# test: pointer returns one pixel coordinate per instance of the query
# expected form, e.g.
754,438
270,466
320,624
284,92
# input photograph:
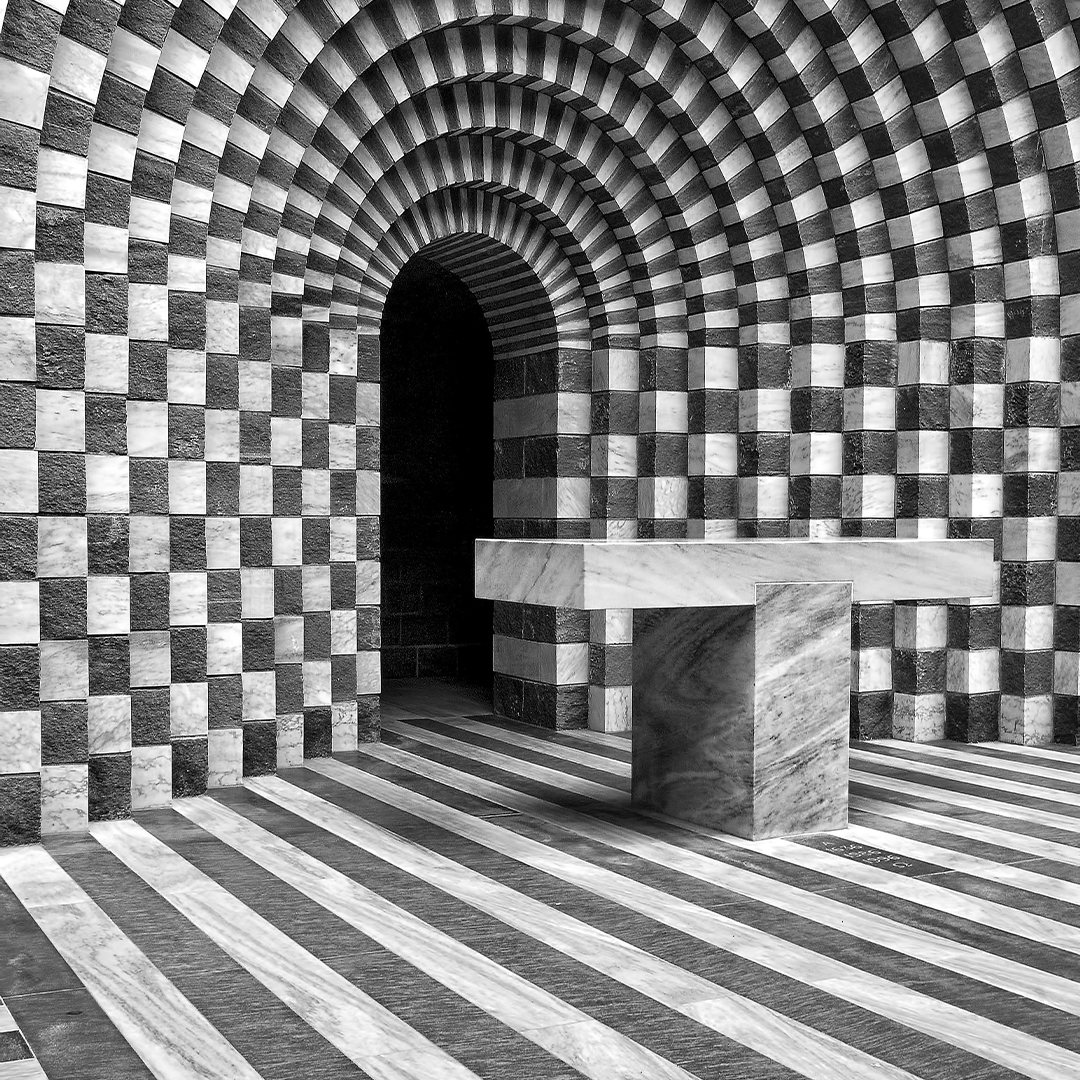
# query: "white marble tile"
611,708
60,420
342,632
61,546
188,709
18,482
225,754
151,777
260,695
368,672
343,725
65,671
149,544
108,605
222,543
107,484
20,742
256,593
63,799
315,582
290,740
151,663
368,582
108,720
187,599
288,639
19,624
224,648
316,676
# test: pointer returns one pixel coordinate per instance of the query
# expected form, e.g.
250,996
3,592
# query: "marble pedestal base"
740,714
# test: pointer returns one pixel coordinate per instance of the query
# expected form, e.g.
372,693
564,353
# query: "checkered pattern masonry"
796,268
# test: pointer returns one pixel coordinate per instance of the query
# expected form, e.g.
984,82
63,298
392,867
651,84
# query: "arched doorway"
529,413
437,386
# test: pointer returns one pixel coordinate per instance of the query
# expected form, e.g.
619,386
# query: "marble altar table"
741,657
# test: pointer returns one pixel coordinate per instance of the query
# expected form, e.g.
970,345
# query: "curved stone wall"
814,270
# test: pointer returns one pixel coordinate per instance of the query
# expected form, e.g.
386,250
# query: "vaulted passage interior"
437,385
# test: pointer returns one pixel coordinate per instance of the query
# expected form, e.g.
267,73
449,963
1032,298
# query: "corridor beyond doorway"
437,384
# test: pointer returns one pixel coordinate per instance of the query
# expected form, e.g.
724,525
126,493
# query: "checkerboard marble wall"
751,269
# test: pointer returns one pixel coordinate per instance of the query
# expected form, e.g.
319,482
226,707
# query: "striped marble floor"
472,898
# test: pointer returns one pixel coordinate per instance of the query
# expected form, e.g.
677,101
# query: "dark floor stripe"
463,1030
234,1001
67,1030
671,1035
906,1049
578,739
988,1001
1067,780
895,768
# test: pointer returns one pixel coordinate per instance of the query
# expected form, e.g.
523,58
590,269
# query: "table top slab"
596,574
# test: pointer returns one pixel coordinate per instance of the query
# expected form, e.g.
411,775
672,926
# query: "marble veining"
151,776
729,1014
64,806
594,574
20,742
343,725
174,1039
225,753
108,720
943,1020
290,740
557,1027
361,1028
741,713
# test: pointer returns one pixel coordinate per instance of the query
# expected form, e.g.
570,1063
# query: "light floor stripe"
23,1069
967,1031
7,1021
167,1032
590,789
1009,920
946,953
1016,877
1068,758
962,800
986,869
546,1020
1004,762
368,1034
961,776
795,1045
555,750
969,830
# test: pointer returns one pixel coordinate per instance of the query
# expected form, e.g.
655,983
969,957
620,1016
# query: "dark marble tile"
189,766
109,787
20,809
13,1047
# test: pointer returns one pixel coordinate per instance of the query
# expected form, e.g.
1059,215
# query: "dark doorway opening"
437,393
